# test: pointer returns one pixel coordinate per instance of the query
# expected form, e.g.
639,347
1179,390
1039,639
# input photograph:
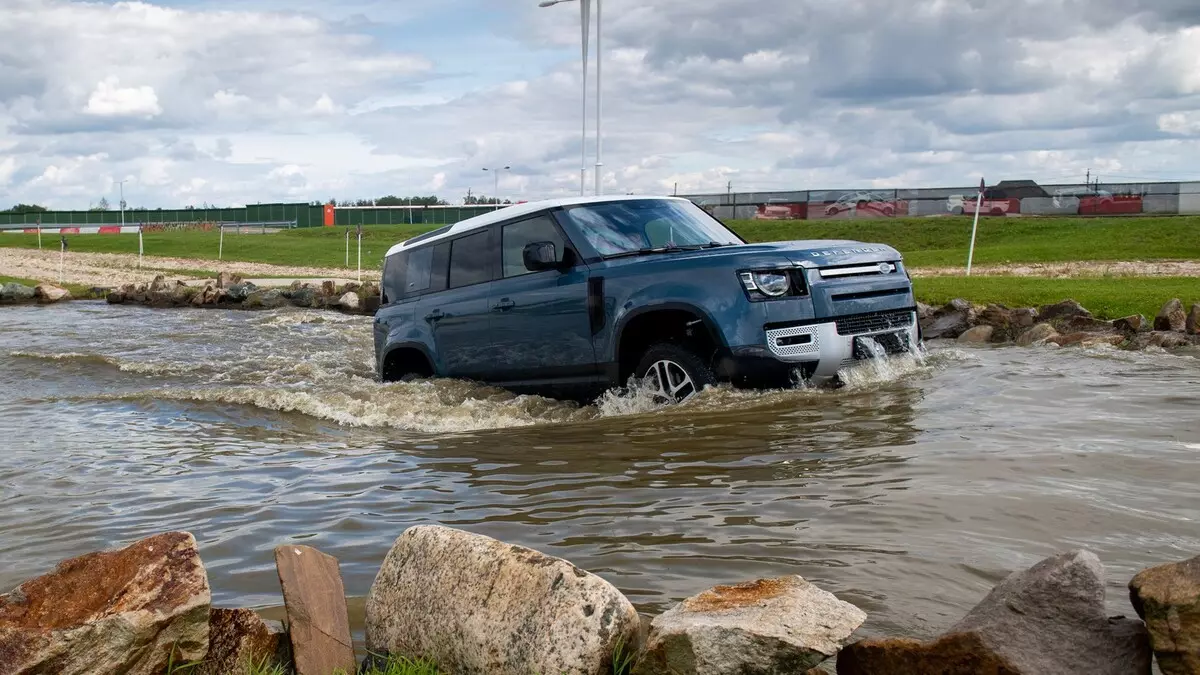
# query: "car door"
459,316
541,326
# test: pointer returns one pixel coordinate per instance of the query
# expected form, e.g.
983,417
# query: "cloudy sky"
240,101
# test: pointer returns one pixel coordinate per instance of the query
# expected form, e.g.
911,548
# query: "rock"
977,335
269,299
475,605
1047,619
297,285
349,302
948,322
1163,340
239,292
924,311
164,299
1008,323
110,612
1068,339
369,288
223,280
1130,324
303,297
1192,324
350,287
1061,310
779,625
1171,317
115,298
49,294
239,637
159,284
1082,323
1038,334
371,304
1112,340
1167,597
14,293
315,601
328,288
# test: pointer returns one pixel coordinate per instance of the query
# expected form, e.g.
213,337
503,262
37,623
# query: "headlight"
773,284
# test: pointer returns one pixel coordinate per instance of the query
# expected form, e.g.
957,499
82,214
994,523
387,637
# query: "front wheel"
673,373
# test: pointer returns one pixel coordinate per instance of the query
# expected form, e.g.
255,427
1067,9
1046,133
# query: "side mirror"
540,256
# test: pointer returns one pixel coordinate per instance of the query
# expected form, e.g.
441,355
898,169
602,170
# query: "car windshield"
646,225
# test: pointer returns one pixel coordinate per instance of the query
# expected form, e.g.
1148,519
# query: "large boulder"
159,284
15,294
349,302
1161,340
1167,597
950,321
1171,317
305,296
117,611
1047,619
371,304
1192,323
49,294
978,335
1133,323
782,625
1039,334
239,292
238,638
1007,323
1066,309
475,605
269,299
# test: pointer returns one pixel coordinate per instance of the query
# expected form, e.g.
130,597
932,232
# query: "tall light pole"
496,189
584,17
122,184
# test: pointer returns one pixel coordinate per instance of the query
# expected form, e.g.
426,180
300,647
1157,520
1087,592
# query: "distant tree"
26,208
472,200
101,205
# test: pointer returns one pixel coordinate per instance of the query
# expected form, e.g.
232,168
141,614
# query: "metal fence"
1007,198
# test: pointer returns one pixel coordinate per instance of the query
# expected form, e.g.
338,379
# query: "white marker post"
347,248
62,254
221,241
141,246
360,252
39,224
975,227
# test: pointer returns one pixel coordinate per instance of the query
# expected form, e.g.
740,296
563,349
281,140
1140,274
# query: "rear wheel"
673,373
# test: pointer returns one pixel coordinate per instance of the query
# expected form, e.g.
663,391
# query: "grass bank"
1107,298
925,242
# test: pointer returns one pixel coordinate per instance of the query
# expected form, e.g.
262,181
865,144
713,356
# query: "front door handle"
504,305
434,315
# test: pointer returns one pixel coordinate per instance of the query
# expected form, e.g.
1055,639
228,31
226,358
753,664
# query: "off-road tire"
677,360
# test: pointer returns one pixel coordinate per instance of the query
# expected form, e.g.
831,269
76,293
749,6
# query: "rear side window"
516,236
416,279
394,271
470,260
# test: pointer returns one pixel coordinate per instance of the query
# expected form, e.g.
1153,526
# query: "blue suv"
569,298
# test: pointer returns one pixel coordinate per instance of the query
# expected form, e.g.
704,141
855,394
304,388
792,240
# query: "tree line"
389,200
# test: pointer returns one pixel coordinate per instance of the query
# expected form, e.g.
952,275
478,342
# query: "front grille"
874,322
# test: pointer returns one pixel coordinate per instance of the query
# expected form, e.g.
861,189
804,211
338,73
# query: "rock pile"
20,294
474,605
1064,324
232,292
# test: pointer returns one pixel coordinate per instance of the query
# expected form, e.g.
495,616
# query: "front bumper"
817,351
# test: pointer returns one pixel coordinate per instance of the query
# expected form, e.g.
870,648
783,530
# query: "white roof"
517,210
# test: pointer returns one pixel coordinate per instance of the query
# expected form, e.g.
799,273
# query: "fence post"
221,241
975,226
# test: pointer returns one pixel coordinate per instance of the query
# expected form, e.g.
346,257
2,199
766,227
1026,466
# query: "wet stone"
315,601
1167,597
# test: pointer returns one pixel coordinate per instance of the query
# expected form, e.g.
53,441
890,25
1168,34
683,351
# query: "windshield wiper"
671,248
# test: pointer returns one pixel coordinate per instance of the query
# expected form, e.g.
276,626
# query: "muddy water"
909,492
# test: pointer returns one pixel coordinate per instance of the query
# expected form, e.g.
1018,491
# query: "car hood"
805,253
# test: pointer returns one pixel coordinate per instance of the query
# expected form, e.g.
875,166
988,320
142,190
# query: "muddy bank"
467,603
116,269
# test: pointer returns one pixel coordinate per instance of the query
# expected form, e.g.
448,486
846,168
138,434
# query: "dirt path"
114,269
1066,270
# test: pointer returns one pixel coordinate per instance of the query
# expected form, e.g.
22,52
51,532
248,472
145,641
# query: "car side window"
416,279
394,271
470,260
516,236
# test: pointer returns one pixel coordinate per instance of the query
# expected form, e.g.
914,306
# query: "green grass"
943,242
395,665
1107,298
925,242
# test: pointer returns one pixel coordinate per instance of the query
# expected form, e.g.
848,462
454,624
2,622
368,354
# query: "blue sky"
224,102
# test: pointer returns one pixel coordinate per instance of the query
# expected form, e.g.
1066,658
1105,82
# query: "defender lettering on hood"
846,251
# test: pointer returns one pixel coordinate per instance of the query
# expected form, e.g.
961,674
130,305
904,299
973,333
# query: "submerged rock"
782,625
15,294
49,294
1047,619
240,637
478,606
978,335
239,292
117,611
1167,597
1038,334
1171,317
269,299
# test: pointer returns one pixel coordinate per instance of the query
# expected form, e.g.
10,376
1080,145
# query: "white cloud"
112,100
1182,123
8,166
